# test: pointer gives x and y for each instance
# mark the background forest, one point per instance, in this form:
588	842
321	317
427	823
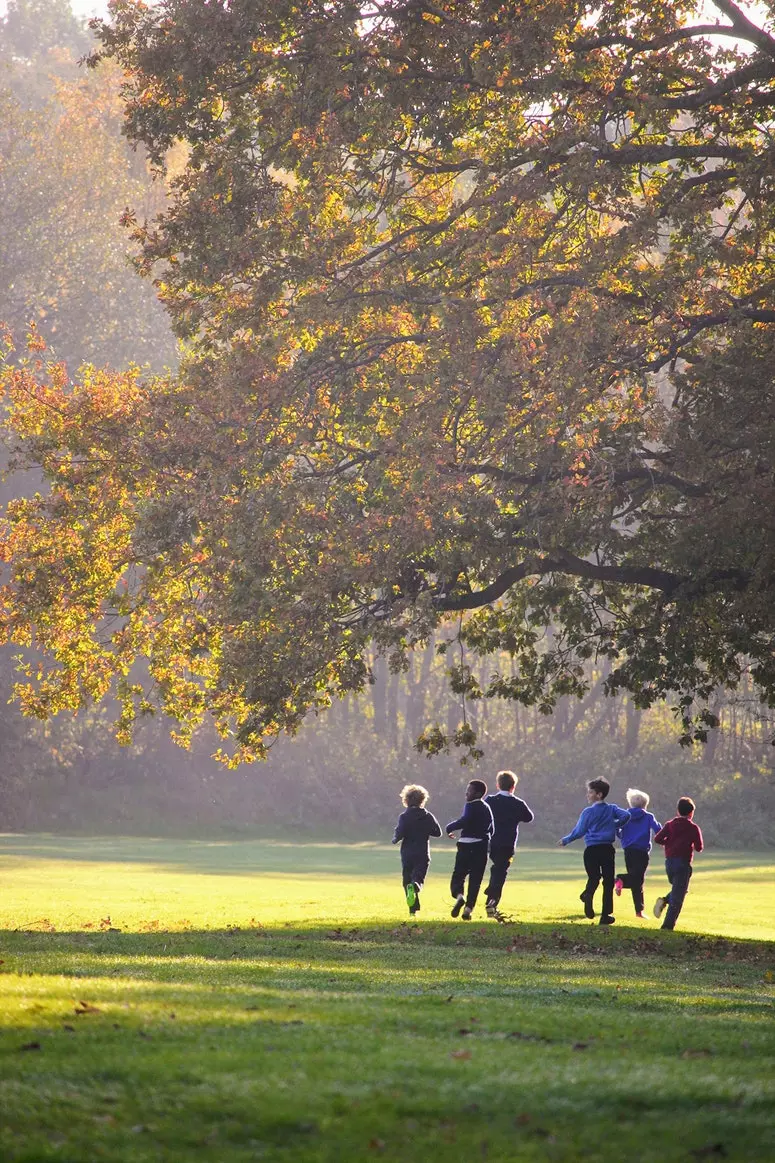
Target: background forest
66	177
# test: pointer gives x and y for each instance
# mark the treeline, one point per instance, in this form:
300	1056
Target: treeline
340	777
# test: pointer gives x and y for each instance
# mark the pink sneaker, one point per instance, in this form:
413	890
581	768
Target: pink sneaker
618	886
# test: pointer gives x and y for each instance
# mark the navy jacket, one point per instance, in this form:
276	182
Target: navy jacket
414	828
508	812
476	823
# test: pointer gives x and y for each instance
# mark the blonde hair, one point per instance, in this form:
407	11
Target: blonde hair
414	795
637	799
506	780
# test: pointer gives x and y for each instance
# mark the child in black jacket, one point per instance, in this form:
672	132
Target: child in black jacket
476	827
414	828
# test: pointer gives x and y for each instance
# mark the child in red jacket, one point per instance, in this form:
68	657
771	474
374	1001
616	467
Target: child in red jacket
681	839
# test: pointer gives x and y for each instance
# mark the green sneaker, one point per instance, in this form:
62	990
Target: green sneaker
411	896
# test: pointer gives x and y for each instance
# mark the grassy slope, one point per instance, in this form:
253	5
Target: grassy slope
332	1030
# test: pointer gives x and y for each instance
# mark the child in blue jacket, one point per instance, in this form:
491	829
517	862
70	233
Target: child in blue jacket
598	824
635	837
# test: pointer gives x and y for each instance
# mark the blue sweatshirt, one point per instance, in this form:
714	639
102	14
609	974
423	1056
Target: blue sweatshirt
598	824
476	823
636	833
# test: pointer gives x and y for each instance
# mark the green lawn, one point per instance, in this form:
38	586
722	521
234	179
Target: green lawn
174	1001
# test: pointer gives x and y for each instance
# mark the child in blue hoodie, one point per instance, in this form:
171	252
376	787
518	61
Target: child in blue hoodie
635	837
598	824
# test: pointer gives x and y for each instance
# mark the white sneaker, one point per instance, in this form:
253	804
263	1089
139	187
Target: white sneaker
491	909
659	907
467	913
461	900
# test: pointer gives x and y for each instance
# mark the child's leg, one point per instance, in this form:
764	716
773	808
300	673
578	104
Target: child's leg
592	868
637	862
420	871
501	859
477	867
460	871
607	858
679	874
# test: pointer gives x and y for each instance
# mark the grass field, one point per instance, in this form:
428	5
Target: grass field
223	1002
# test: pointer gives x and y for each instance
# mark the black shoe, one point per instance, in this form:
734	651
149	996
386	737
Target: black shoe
467	913
416	906
607	920
491	908
588	907
461	900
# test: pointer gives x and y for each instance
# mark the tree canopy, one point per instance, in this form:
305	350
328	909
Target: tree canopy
478	301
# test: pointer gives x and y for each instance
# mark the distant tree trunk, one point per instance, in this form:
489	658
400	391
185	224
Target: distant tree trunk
417	695
379	696
632	728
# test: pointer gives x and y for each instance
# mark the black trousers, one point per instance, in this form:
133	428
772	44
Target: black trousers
501	858
414	866
471	862
599	865
636	862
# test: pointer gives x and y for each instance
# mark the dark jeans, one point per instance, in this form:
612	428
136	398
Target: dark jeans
471	862
599	865
414	866
637	861
679	873
501	859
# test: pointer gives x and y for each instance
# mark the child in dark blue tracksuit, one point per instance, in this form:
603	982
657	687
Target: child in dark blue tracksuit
476	826
598	824
414	829
635	837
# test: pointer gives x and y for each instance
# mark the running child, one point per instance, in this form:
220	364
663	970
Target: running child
681	838
414	829
508	812
598	823
635	837
476	827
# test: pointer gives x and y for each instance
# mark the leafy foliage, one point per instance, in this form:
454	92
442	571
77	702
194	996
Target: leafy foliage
479	307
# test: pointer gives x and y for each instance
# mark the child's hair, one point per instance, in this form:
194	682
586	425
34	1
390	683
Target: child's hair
478	786
685	806
601	786
506	780
414	795
637	799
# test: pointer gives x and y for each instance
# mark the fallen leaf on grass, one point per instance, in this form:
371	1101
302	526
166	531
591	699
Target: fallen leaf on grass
70	1029
30	1046
697	1053
708	1150
522	1120
580	1045
460	1054
377	1144
85	1007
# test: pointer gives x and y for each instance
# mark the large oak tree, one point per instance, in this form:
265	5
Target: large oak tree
478	299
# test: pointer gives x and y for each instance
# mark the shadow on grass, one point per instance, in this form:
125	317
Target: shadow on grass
267	857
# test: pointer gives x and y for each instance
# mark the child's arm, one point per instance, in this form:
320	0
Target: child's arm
697	839
399	832
581	826
433	825
621	816
655	824
662	834
525	815
457	824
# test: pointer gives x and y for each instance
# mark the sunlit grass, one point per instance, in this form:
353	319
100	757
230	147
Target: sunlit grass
161	1003
148	884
